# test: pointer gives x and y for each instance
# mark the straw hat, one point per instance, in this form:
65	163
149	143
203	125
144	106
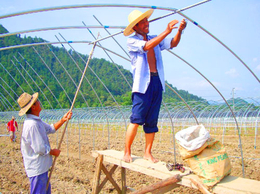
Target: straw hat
134	17
25	101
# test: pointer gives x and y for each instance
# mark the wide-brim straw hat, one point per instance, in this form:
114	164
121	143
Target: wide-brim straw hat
25	101
134	17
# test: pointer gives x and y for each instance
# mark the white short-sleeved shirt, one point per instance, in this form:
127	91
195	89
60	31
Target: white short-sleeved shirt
140	66
35	145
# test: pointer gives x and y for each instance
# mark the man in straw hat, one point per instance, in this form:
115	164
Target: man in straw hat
11	127
148	76
35	146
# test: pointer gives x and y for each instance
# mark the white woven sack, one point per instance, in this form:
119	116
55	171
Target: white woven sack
192	138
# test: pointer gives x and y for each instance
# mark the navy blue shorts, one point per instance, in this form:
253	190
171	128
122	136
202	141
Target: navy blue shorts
146	107
38	183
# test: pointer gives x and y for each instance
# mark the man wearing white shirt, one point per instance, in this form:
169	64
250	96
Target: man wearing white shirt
148	77
35	146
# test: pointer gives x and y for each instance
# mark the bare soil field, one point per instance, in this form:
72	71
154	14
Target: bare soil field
75	166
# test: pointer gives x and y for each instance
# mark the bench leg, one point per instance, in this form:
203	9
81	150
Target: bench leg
106	179
96	178
123	178
110	178
96	187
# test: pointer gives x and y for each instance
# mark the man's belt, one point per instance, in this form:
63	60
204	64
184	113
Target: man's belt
154	73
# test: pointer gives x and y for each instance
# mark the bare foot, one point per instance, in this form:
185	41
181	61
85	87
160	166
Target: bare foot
150	158
127	158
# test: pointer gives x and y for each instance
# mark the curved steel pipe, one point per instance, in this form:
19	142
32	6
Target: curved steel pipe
183	101
9	94
90	86
52	73
7	101
72	105
221	44
27	63
83	97
12	77
94	6
10	88
99	78
223	99
33	81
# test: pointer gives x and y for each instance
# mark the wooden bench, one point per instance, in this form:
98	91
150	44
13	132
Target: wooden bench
229	184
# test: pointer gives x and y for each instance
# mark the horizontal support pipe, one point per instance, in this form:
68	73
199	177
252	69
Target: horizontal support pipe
59	28
63	42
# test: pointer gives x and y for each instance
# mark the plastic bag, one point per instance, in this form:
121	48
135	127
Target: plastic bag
192	138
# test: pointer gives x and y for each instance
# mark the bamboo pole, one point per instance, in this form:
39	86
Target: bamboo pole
72	105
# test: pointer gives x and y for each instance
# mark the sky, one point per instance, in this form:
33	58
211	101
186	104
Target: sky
233	22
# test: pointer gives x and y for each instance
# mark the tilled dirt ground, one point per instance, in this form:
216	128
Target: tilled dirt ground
75	167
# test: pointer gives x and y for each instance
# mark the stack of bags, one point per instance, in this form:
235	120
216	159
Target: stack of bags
205	156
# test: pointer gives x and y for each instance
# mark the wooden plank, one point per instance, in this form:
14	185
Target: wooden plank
165	189
157	170
240	185
139	164
161	184
229	184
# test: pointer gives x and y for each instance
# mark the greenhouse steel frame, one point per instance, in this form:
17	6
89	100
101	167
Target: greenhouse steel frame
222	115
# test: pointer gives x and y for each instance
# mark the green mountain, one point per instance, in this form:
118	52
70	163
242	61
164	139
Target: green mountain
56	72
